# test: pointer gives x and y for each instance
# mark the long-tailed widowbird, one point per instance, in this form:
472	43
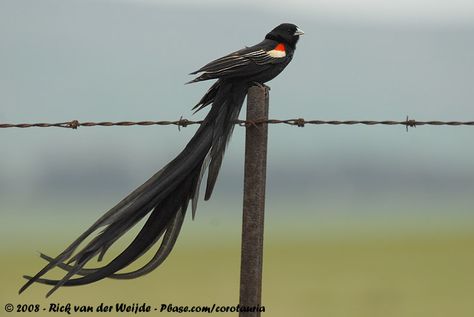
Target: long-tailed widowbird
166	195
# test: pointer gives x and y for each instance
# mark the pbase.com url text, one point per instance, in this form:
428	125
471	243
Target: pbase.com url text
210	309
135	308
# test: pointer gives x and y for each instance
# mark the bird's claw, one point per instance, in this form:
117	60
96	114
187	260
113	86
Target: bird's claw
260	85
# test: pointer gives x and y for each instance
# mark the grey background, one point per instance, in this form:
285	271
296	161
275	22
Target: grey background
123	60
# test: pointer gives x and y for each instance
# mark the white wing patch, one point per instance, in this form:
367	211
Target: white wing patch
276	53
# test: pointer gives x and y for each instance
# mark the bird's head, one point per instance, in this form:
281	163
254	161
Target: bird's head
287	33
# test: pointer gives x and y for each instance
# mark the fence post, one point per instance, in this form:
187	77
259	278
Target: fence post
254	200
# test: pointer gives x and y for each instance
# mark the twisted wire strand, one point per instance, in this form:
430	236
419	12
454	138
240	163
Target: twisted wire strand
299	122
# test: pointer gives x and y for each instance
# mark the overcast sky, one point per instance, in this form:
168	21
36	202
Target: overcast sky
94	60
432	11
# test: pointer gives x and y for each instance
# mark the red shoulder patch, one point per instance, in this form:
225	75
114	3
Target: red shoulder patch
280	47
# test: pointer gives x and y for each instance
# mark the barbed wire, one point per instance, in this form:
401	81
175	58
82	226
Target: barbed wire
299	122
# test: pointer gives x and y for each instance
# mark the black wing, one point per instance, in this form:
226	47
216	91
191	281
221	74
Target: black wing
244	62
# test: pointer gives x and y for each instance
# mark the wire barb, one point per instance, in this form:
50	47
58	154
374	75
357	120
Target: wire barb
410	124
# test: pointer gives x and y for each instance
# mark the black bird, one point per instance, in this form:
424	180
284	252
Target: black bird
166	195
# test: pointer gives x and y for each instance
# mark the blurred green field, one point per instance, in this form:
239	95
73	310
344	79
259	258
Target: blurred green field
416	275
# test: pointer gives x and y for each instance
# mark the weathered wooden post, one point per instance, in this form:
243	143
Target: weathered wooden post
254	200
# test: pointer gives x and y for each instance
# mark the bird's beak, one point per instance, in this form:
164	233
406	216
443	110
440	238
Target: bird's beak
298	31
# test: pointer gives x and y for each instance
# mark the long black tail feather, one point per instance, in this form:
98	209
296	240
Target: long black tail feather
165	197
165	248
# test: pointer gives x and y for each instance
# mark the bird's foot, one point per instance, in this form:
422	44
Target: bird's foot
260	85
